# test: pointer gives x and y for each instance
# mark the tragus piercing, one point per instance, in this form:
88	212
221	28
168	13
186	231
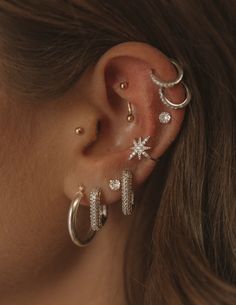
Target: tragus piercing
79	131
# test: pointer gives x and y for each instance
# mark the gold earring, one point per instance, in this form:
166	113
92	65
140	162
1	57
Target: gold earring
72	221
79	131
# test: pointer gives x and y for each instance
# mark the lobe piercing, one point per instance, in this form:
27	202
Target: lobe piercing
98	211
127	193
165	117
79	131
114	184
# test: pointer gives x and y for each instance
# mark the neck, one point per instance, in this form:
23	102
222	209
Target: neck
96	275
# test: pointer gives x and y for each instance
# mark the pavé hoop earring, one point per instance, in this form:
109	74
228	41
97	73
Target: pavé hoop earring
127	193
72	221
163	85
98	212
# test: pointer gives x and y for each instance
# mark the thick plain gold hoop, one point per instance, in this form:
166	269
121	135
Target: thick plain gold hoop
72	222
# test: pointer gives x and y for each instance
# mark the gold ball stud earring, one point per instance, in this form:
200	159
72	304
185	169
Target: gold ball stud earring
79	131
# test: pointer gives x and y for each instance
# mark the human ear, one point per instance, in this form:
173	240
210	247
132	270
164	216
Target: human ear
117	86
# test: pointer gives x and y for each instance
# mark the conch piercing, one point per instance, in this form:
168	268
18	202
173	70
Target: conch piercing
140	150
72	221
163	85
165	117
127	193
98	212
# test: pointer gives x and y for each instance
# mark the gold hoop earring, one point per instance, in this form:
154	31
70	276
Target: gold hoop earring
72	221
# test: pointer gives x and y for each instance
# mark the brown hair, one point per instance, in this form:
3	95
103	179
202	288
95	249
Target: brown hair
185	252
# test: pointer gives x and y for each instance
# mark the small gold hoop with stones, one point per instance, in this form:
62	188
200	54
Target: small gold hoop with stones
127	193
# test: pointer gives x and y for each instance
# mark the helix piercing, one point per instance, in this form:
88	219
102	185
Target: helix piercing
72	221
98	212
162	85
127	193
165	117
169	84
172	105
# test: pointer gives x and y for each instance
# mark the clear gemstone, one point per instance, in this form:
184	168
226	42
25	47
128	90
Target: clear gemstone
165	117
114	184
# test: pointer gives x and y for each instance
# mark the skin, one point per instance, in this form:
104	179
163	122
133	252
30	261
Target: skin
43	162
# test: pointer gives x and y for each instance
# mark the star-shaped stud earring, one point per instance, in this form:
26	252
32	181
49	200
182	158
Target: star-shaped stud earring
139	148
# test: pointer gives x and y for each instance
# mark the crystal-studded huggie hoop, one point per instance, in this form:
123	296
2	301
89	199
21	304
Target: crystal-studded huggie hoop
127	194
172	105
163	84
72	221
98	212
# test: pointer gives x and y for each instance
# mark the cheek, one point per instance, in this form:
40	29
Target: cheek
33	228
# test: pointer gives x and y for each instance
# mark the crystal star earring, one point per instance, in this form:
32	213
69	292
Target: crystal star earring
140	149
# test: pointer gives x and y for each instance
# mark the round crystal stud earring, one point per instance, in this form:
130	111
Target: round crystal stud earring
165	118
115	184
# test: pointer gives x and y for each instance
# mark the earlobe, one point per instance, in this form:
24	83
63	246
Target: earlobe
136	126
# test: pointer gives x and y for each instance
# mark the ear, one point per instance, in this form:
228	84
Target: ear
103	151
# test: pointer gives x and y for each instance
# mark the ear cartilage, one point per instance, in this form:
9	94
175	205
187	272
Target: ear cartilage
79	131
115	184
169	84
140	149
130	116
124	85
165	118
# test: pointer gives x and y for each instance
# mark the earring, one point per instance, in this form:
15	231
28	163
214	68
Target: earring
114	184
140	149
169	84
124	85
163	85
130	116
172	105
127	194
72	221
79	131
165	117
98	212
